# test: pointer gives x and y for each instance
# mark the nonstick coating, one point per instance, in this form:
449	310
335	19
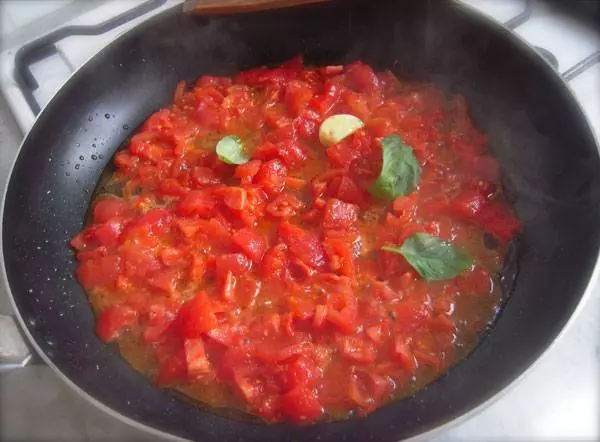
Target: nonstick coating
548	155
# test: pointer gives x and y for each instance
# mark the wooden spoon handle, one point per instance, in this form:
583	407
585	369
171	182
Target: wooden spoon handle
237	6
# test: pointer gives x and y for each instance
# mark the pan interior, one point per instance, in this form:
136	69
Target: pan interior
548	155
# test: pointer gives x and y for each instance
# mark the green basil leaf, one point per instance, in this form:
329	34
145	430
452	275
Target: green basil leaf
400	172
431	257
231	150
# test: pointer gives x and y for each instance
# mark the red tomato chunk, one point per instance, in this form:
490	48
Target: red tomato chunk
262	285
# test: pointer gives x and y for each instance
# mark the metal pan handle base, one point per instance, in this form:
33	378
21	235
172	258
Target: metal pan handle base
14	351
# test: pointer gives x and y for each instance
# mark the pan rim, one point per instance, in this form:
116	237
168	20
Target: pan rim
516	40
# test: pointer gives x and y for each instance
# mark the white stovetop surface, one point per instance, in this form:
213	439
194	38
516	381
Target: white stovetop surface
559	399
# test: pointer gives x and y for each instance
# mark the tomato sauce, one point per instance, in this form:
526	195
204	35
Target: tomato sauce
284	286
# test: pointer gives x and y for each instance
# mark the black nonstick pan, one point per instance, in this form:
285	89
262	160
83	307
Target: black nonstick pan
548	154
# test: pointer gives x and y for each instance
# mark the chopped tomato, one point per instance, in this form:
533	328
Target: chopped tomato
358	350
246	172
271	176
197	202
376	333
102	271
108	208
469	205
293	286
284	205
361	77
344	320
223	334
109	233
234	197
172	370
166	280
301	405
403	354
302	244
301	307
160	319
251	242
139	261
189	227
275	262
499	221
204	176
236	263
291	153
300	372
197	317
410	315
171	256
340	256
340	215
229	287
113	320
349	192
247	290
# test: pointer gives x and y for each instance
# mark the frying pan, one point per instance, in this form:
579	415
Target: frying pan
548	155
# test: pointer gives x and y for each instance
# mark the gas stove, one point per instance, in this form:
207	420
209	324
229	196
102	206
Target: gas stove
558	399
33	71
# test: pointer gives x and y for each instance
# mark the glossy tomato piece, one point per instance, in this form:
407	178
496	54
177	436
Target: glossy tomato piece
285	205
108	233
102	271
410	314
246	172
342	153
172	256
301	405
498	220
173	369
235	198
468	204
139	261
108	208
301	371
203	176
362	77
344	320
233	359
275	262
292	153
349	192
197	202
196	317
113	320
305	245
251	242
403	353
357	350
297	95
236	263
166	280
159	320
340	256
271	176
339	215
